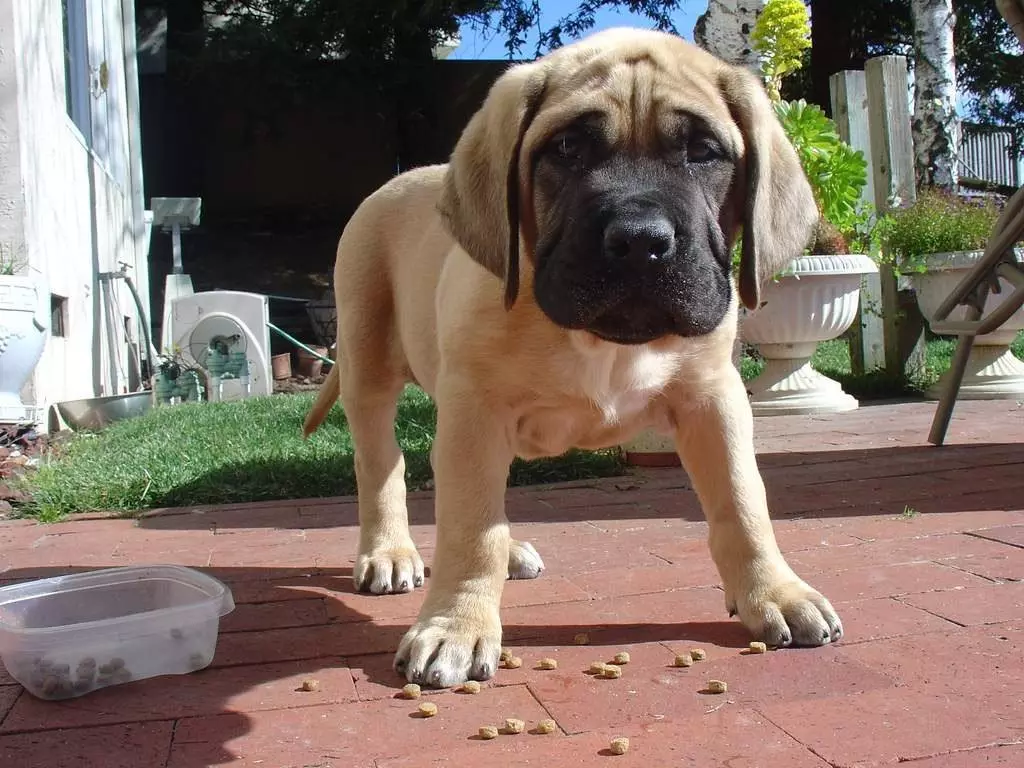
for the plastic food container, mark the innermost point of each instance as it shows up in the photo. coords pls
(66, 636)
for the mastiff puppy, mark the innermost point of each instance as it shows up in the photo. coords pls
(565, 281)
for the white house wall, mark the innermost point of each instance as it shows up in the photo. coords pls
(78, 211)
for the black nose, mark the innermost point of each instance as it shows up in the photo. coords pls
(640, 239)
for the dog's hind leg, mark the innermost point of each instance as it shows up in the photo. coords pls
(523, 561)
(387, 561)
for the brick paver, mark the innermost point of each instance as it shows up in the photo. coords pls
(920, 548)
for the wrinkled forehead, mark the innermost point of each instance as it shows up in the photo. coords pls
(638, 90)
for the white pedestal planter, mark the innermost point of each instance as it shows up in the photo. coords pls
(993, 371)
(814, 300)
(23, 328)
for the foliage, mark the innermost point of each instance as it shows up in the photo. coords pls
(990, 67)
(782, 34)
(12, 259)
(937, 222)
(370, 32)
(837, 173)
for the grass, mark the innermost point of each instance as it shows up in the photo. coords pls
(832, 358)
(251, 450)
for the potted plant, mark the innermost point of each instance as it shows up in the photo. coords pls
(816, 297)
(24, 322)
(933, 243)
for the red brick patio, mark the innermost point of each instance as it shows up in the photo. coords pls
(932, 599)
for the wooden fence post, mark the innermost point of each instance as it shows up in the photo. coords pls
(849, 94)
(892, 168)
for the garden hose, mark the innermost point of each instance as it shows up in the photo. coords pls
(299, 344)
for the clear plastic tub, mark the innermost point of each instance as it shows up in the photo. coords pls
(66, 636)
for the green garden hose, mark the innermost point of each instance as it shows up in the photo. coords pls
(299, 344)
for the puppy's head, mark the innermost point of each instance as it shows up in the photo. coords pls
(623, 168)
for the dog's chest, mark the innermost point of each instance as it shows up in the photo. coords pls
(609, 396)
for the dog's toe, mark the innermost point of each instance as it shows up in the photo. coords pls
(441, 652)
(524, 561)
(389, 570)
(790, 613)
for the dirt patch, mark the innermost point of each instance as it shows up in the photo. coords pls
(298, 384)
(21, 449)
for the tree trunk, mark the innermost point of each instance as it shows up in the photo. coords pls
(936, 126)
(724, 30)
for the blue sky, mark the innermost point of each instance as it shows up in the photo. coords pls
(488, 45)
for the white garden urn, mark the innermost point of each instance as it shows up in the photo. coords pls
(993, 372)
(815, 299)
(23, 327)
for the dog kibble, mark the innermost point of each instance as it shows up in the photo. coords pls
(88, 661)
(51, 686)
(106, 669)
(488, 732)
(427, 709)
(717, 686)
(581, 639)
(411, 691)
(470, 686)
(506, 654)
(611, 672)
(758, 647)
(118, 663)
(61, 669)
(311, 685)
(513, 726)
(619, 746)
(547, 664)
(684, 660)
(546, 726)
(698, 654)
(513, 663)
(621, 658)
(83, 684)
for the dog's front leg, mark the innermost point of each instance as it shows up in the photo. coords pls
(458, 633)
(716, 445)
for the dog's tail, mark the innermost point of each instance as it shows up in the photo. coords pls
(328, 395)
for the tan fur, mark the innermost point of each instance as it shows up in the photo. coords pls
(422, 285)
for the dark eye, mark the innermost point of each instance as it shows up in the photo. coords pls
(570, 146)
(703, 149)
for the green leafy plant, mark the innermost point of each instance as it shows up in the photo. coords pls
(837, 173)
(782, 33)
(937, 222)
(11, 259)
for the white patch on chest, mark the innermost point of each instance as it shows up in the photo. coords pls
(620, 380)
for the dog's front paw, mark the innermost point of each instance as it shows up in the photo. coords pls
(389, 570)
(446, 649)
(524, 561)
(783, 610)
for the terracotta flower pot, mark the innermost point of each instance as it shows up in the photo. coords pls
(281, 365)
(307, 365)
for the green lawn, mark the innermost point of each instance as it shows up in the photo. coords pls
(251, 450)
(216, 453)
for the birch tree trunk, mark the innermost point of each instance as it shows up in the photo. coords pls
(724, 30)
(936, 125)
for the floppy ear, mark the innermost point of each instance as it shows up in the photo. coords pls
(779, 211)
(480, 198)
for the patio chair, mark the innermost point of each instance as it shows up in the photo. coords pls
(999, 261)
